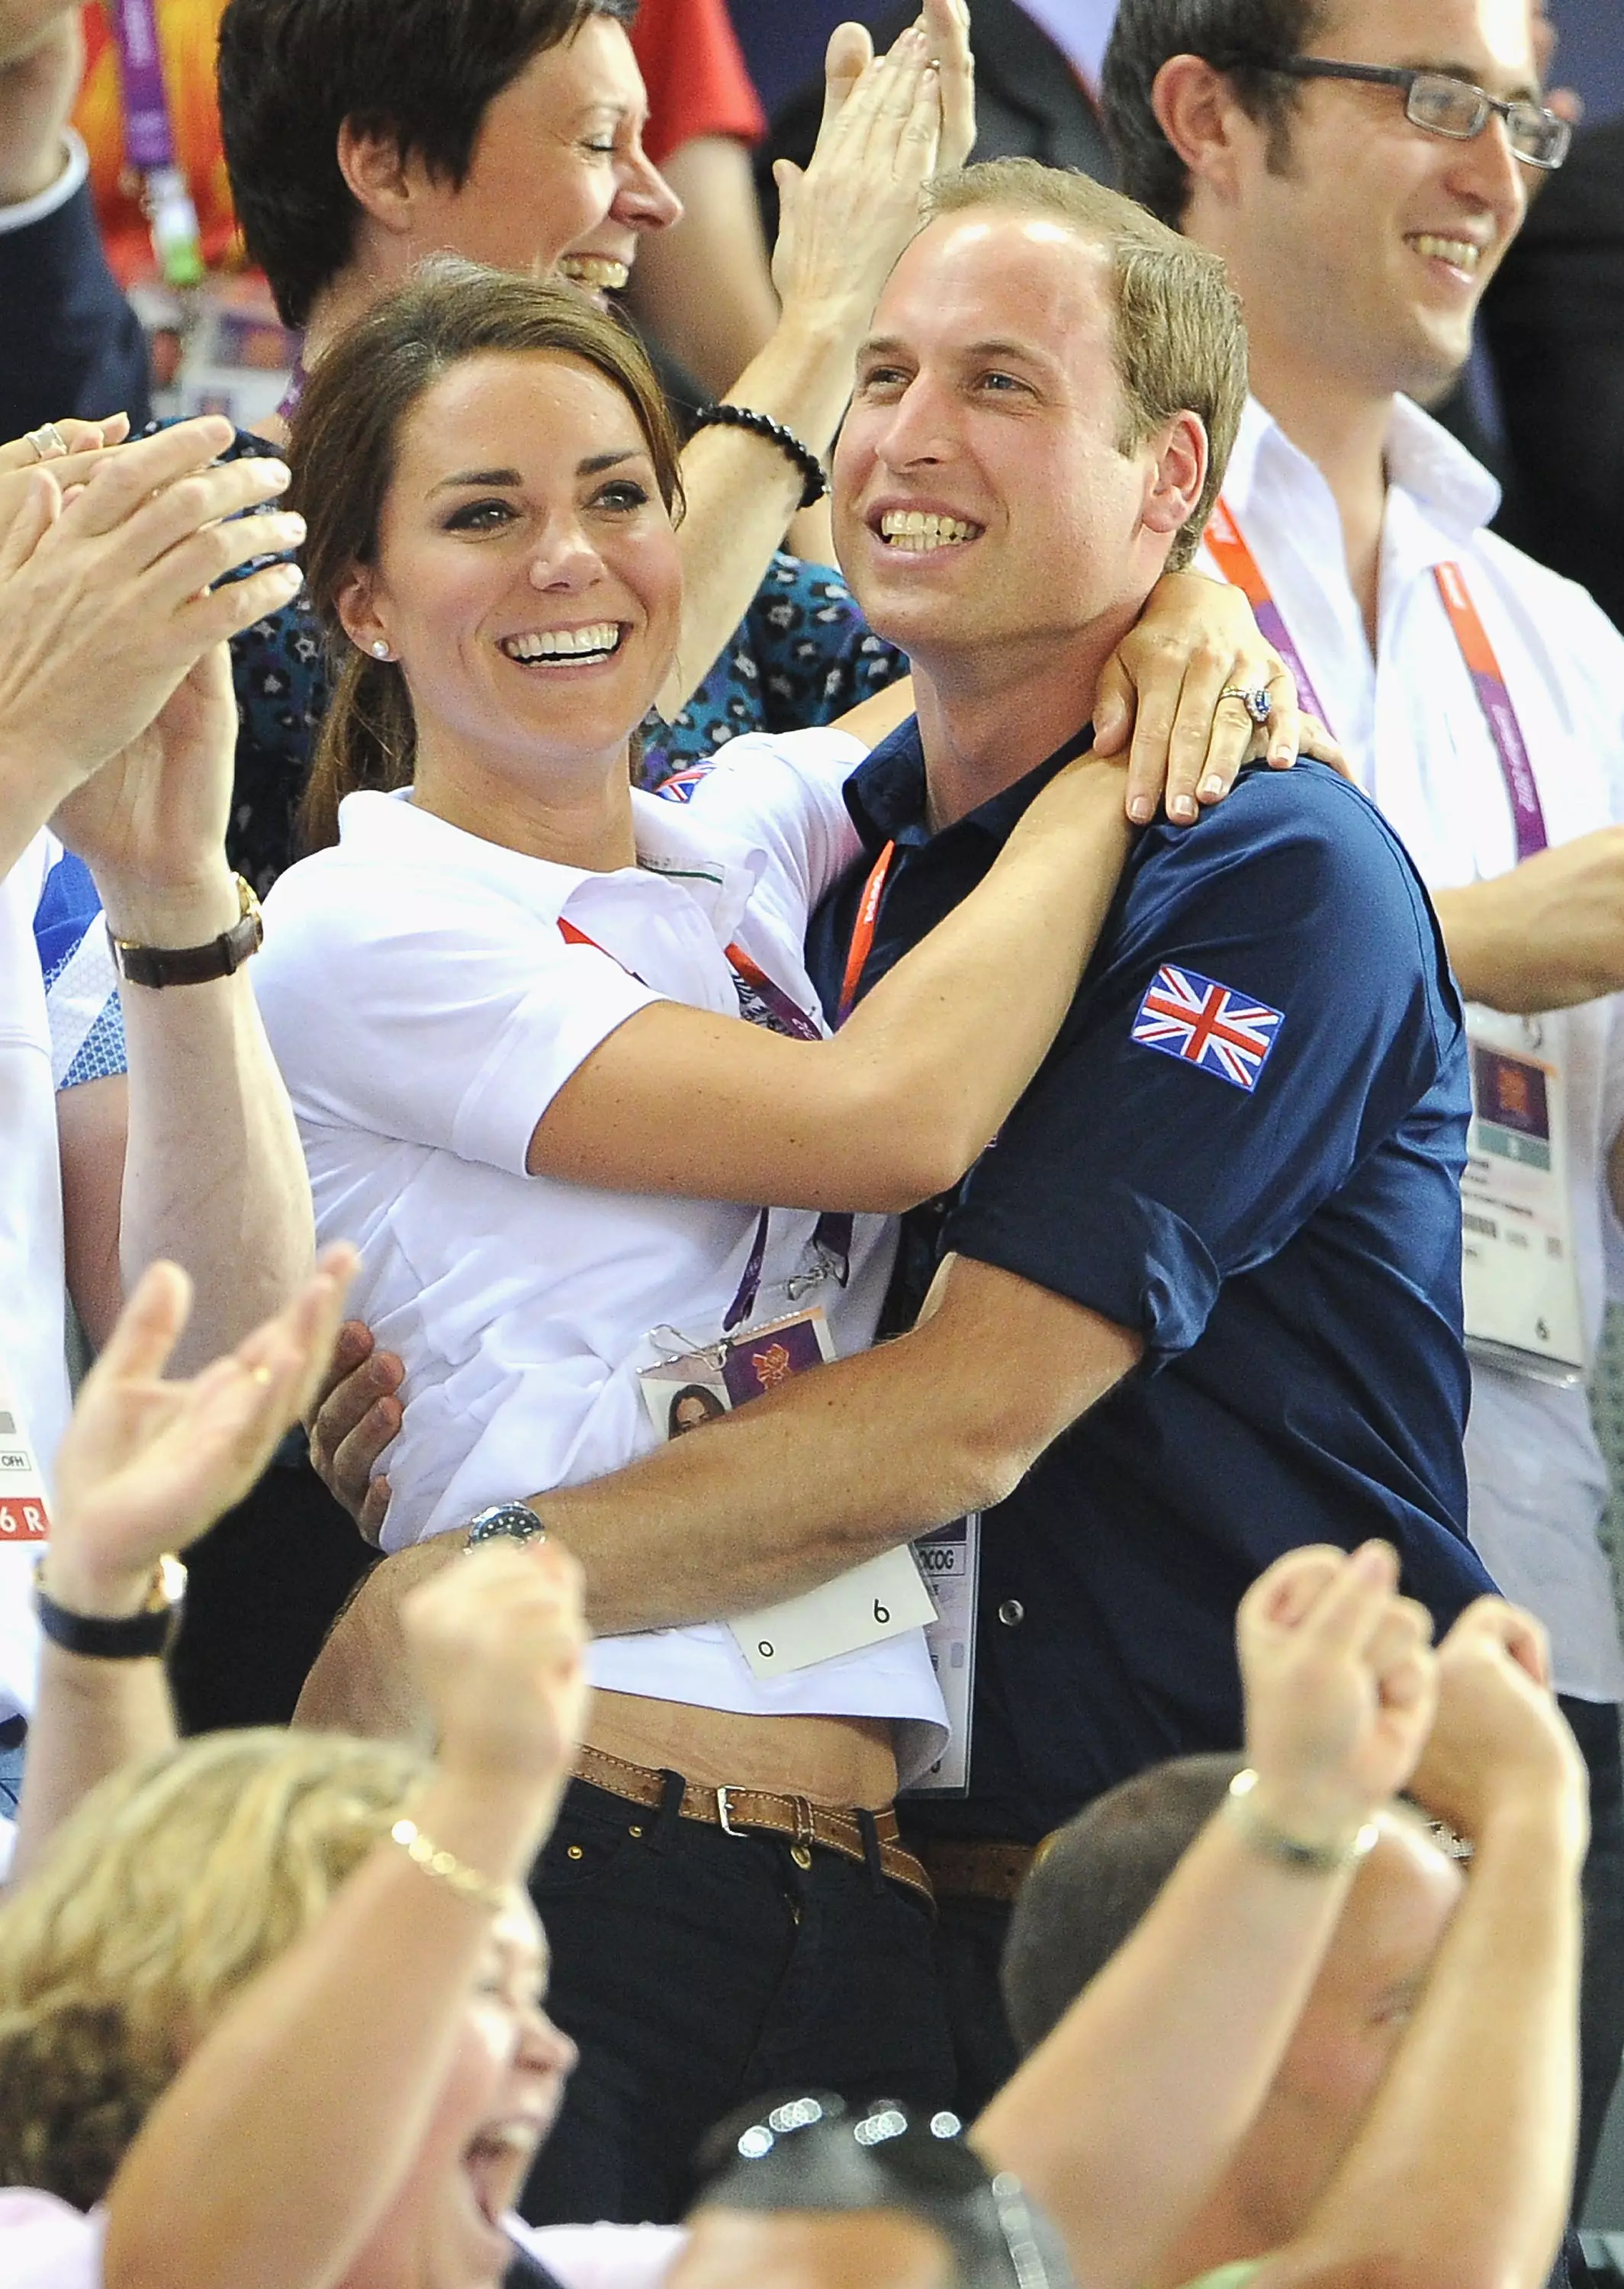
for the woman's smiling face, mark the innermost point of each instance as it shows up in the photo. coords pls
(527, 575)
(559, 178)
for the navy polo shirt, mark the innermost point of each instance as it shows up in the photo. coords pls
(1246, 1145)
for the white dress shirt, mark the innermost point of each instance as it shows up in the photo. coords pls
(1414, 735)
(424, 1009)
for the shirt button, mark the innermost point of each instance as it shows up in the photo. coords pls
(1012, 1613)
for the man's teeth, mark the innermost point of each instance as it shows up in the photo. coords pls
(565, 643)
(1459, 251)
(600, 274)
(922, 528)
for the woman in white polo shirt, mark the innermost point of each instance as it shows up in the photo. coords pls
(507, 1008)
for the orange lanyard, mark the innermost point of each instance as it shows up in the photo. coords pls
(1229, 547)
(863, 931)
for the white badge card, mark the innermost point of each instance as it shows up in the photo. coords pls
(949, 1561)
(24, 1516)
(1518, 1273)
(881, 1599)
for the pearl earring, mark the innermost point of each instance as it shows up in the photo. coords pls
(380, 651)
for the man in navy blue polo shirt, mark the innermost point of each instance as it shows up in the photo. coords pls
(1209, 1273)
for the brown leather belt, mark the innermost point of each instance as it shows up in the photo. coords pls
(745, 1812)
(977, 1872)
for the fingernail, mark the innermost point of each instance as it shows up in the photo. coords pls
(279, 473)
(294, 525)
(1183, 807)
(1212, 786)
(1139, 809)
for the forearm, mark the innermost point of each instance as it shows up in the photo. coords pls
(716, 331)
(1122, 2120)
(92, 1718)
(28, 794)
(742, 490)
(842, 1463)
(321, 2078)
(1464, 2167)
(954, 1033)
(1512, 949)
(214, 1177)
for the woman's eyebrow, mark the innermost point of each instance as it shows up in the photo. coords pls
(478, 477)
(599, 462)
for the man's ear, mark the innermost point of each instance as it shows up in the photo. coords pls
(382, 183)
(1196, 110)
(1177, 475)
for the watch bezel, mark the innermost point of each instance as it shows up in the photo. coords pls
(509, 1521)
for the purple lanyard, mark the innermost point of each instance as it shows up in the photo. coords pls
(764, 1002)
(149, 142)
(1240, 567)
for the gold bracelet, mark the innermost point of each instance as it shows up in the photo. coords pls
(463, 1879)
(1290, 1851)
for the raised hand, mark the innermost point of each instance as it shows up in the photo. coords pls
(1340, 1685)
(1499, 1742)
(844, 221)
(148, 1465)
(498, 1642)
(108, 596)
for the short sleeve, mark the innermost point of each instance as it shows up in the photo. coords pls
(443, 1016)
(82, 1005)
(1271, 1001)
(789, 795)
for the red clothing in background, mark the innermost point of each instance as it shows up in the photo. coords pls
(696, 75)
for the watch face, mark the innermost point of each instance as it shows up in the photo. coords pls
(505, 1522)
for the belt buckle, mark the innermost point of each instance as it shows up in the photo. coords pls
(728, 1828)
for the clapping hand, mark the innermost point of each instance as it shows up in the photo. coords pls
(1341, 1685)
(889, 123)
(148, 1465)
(109, 561)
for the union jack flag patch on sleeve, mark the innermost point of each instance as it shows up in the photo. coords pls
(1184, 1015)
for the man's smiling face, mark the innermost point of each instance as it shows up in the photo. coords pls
(982, 499)
(1380, 237)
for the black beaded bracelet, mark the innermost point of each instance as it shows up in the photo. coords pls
(815, 484)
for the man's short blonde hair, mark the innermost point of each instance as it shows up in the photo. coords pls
(1180, 341)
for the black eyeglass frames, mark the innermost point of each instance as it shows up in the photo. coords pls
(1442, 105)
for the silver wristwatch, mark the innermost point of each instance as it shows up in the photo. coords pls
(511, 1521)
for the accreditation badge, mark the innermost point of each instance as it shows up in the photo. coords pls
(949, 1561)
(24, 1516)
(881, 1599)
(1519, 1271)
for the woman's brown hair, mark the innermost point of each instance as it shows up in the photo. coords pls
(344, 439)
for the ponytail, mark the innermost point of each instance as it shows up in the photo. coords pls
(368, 740)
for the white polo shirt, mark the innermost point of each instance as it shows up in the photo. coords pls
(424, 1009)
(1414, 735)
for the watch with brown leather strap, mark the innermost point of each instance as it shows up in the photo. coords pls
(194, 965)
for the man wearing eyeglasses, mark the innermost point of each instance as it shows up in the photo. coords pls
(1362, 166)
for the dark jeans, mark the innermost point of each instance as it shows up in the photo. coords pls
(695, 1970)
(1601, 2002)
(971, 1941)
